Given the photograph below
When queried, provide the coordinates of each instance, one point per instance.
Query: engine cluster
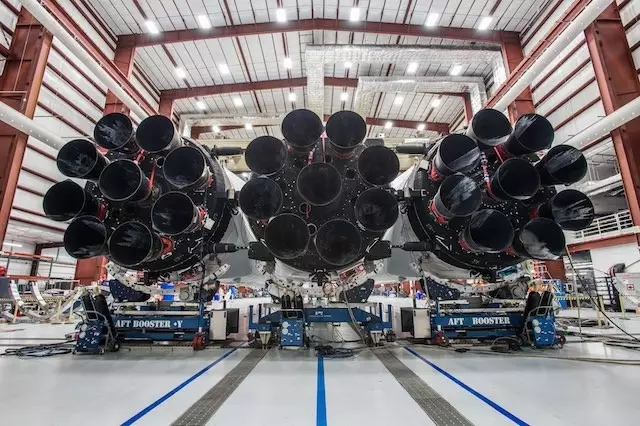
(152, 200)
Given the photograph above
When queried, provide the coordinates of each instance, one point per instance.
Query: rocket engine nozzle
(157, 133)
(81, 159)
(378, 165)
(174, 213)
(85, 237)
(488, 231)
(266, 155)
(287, 236)
(376, 210)
(531, 133)
(489, 128)
(133, 243)
(123, 180)
(186, 168)
(541, 239)
(302, 129)
(115, 132)
(320, 184)
(458, 196)
(338, 242)
(563, 164)
(345, 130)
(571, 209)
(515, 179)
(66, 200)
(260, 198)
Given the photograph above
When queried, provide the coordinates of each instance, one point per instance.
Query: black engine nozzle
(133, 243)
(515, 179)
(376, 210)
(157, 133)
(320, 184)
(186, 168)
(115, 132)
(123, 180)
(489, 128)
(458, 196)
(571, 209)
(488, 231)
(378, 165)
(345, 130)
(287, 236)
(81, 159)
(563, 164)
(85, 237)
(66, 200)
(266, 155)
(302, 129)
(541, 239)
(174, 213)
(260, 198)
(531, 133)
(338, 242)
(456, 153)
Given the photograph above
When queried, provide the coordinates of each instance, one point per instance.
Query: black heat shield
(178, 251)
(326, 196)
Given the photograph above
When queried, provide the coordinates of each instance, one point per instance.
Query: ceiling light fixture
(248, 126)
(456, 70)
(388, 125)
(432, 19)
(436, 103)
(398, 100)
(204, 22)
(152, 27)
(344, 96)
(281, 15)
(237, 101)
(413, 67)
(348, 64)
(485, 22)
(355, 14)
(11, 244)
(288, 63)
(216, 128)
(201, 105)
(292, 97)
(181, 73)
(421, 127)
(224, 68)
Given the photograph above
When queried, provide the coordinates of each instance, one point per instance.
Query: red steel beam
(123, 60)
(316, 24)
(468, 109)
(563, 22)
(19, 88)
(60, 14)
(406, 124)
(618, 83)
(285, 83)
(513, 55)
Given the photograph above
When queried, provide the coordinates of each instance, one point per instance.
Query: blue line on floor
(175, 390)
(321, 405)
(469, 389)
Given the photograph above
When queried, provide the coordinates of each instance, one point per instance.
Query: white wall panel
(546, 26)
(148, 96)
(97, 37)
(63, 109)
(18, 267)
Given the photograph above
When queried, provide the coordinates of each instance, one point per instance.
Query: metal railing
(611, 225)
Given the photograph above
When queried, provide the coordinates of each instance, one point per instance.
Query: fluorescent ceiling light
(413, 67)
(388, 125)
(11, 244)
(181, 73)
(292, 97)
(152, 27)
(456, 70)
(288, 63)
(237, 101)
(281, 15)
(201, 105)
(204, 22)
(224, 68)
(355, 14)
(432, 19)
(485, 22)
(436, 103)
(216, 129)
(421, 127)
(398, 100)
(248, 126)
(348, 64)
(344, 96)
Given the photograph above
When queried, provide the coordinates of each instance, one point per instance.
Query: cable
(328, 351)
(40, 351)
(579, 278)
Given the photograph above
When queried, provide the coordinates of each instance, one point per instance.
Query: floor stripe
(472, 391)
(321, 404)
(175, 390)
(206, 407)
(439, 410)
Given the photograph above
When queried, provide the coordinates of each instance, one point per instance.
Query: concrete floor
(155, 387)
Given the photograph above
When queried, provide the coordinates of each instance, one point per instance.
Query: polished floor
(295, 388)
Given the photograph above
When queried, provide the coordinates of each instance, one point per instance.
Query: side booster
(318, 200)
(488, 202)
(155, 201)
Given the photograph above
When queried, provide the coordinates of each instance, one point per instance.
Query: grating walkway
(434, 405)
(203, 409)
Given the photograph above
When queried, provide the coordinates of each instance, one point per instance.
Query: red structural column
(19, 87)
(468, 109)
(618, 83)
(166, 107)
(123, 60)
(513, 55)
